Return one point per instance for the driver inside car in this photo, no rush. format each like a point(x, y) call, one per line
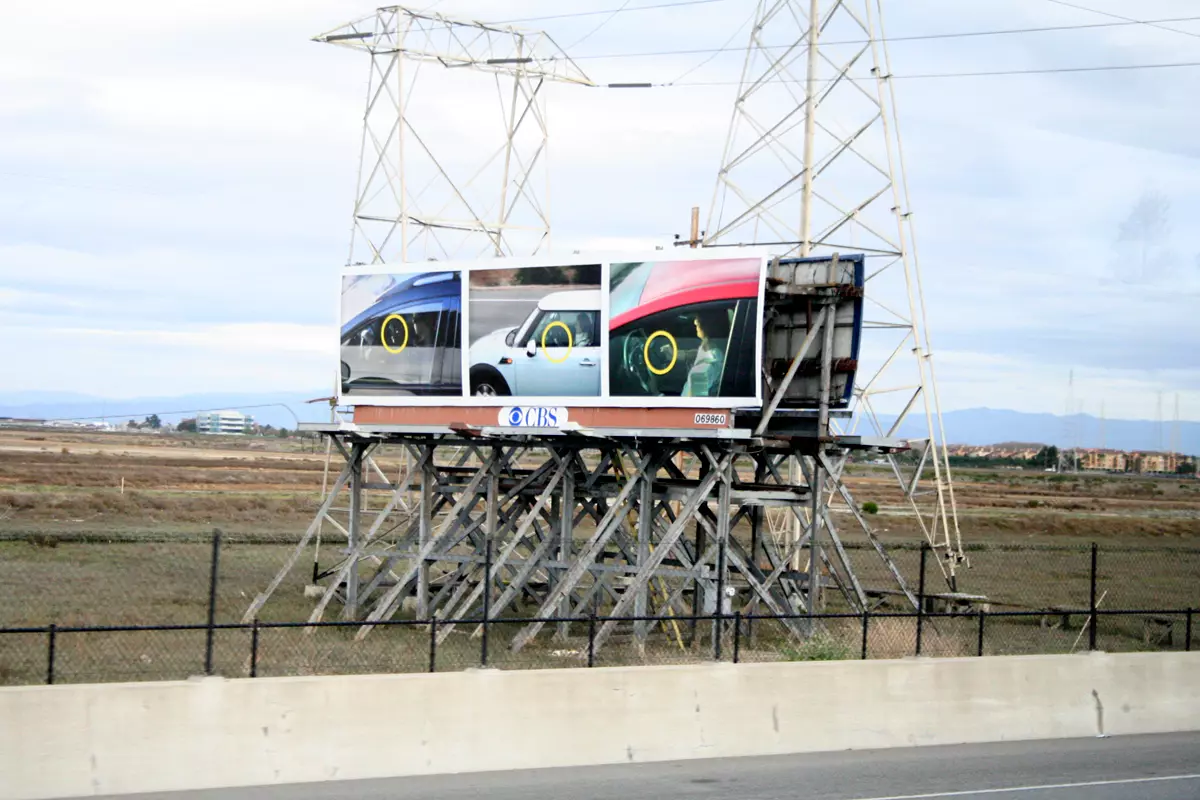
point(704, 376)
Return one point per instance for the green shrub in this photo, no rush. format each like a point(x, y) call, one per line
point(820, 647)
point(870, 507)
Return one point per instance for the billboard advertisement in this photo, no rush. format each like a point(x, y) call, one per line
point(535, 332)
point(401, 335)
point(684, 329)
point(552, 334)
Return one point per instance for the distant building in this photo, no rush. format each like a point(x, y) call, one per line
point(1155, 462)
point(223, 422)
point(1106, 460)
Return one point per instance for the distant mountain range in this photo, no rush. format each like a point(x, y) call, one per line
point(280, 410)
point(979, 426)
point(972, 426)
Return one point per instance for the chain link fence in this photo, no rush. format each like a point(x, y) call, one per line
point(136, 608)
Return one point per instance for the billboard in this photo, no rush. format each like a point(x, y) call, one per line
point(679, 332)
point(401, 335)
point(535, 332)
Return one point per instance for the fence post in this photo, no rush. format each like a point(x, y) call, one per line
point(866, 616)
point(487, 600)
point(254, 649)
point(592, 638)
point(212, 601)
point(1092, 621)
point(432, 643)
point(1187, 632)
point(52, 636)
point(737, 635)
point(921, 596)
point(982, 617)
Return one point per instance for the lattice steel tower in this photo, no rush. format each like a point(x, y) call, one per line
point(432, 184)
point(813, 165)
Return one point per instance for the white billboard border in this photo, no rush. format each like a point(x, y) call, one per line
point(466, 400)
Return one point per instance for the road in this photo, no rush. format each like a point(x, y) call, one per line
point(1158, 767)
point(502, 307)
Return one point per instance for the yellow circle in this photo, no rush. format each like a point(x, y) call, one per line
point(570, 342)
point(383, 327)
point(674, 352)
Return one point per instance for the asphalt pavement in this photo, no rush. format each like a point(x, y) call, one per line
point(1155, 767)
point(501, 307)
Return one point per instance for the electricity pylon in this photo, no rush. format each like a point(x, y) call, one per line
point(431, 183)
point(813, 165)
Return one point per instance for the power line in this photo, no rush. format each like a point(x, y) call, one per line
point(610, 11)
point(893, 39)
point(602, 23)
point(928, 75)
point(1152, 23)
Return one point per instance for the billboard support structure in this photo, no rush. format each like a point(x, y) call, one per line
point(595, 516)
point(416, 196)
point(821, 170)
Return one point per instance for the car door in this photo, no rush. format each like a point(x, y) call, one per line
point(566, 356)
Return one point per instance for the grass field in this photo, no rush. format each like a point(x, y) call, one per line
point(104, 529)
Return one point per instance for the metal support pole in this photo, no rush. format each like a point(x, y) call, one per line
point(1187, 632)
point(697, 583)
point(565, 542)
point(1092, 601)
point(254, 649)
point(356, 481)
point(51, 642)
point(428, 484)
point(487, 600)
point(810, 112)
point(737, 635)
point(814, 548)
point(433, 644)
point(645, 526)
point(982, 617)
point(866, 617)
point(921, 596)
point(592, 639)
point(214, 568)
point(726, 480)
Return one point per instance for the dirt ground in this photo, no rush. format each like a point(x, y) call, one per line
point(112, 529)
point(68, 482)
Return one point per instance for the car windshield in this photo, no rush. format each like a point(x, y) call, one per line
point(627, 286)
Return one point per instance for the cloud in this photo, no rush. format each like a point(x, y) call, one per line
point(176, 183)
point(242, 357)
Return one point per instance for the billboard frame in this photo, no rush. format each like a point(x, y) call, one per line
point(605, 260)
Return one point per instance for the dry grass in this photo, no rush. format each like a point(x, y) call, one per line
point(81, 552)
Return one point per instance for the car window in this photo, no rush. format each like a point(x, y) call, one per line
point(584, 327)
point(450, 334)
point(681, 352)
point(366, 334)
point(420, 322)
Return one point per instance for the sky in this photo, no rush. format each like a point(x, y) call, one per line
point(177, 181)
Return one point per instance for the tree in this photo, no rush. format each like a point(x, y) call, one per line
point(282, 433)
point(186, 426)
point(1186, 468)
point(1047, 457)
point(152, 422)
point(132, 425)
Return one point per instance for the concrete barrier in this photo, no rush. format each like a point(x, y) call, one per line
point(58, 741)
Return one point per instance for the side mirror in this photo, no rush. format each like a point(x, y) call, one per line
point(531, 348)
point(512, 337)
